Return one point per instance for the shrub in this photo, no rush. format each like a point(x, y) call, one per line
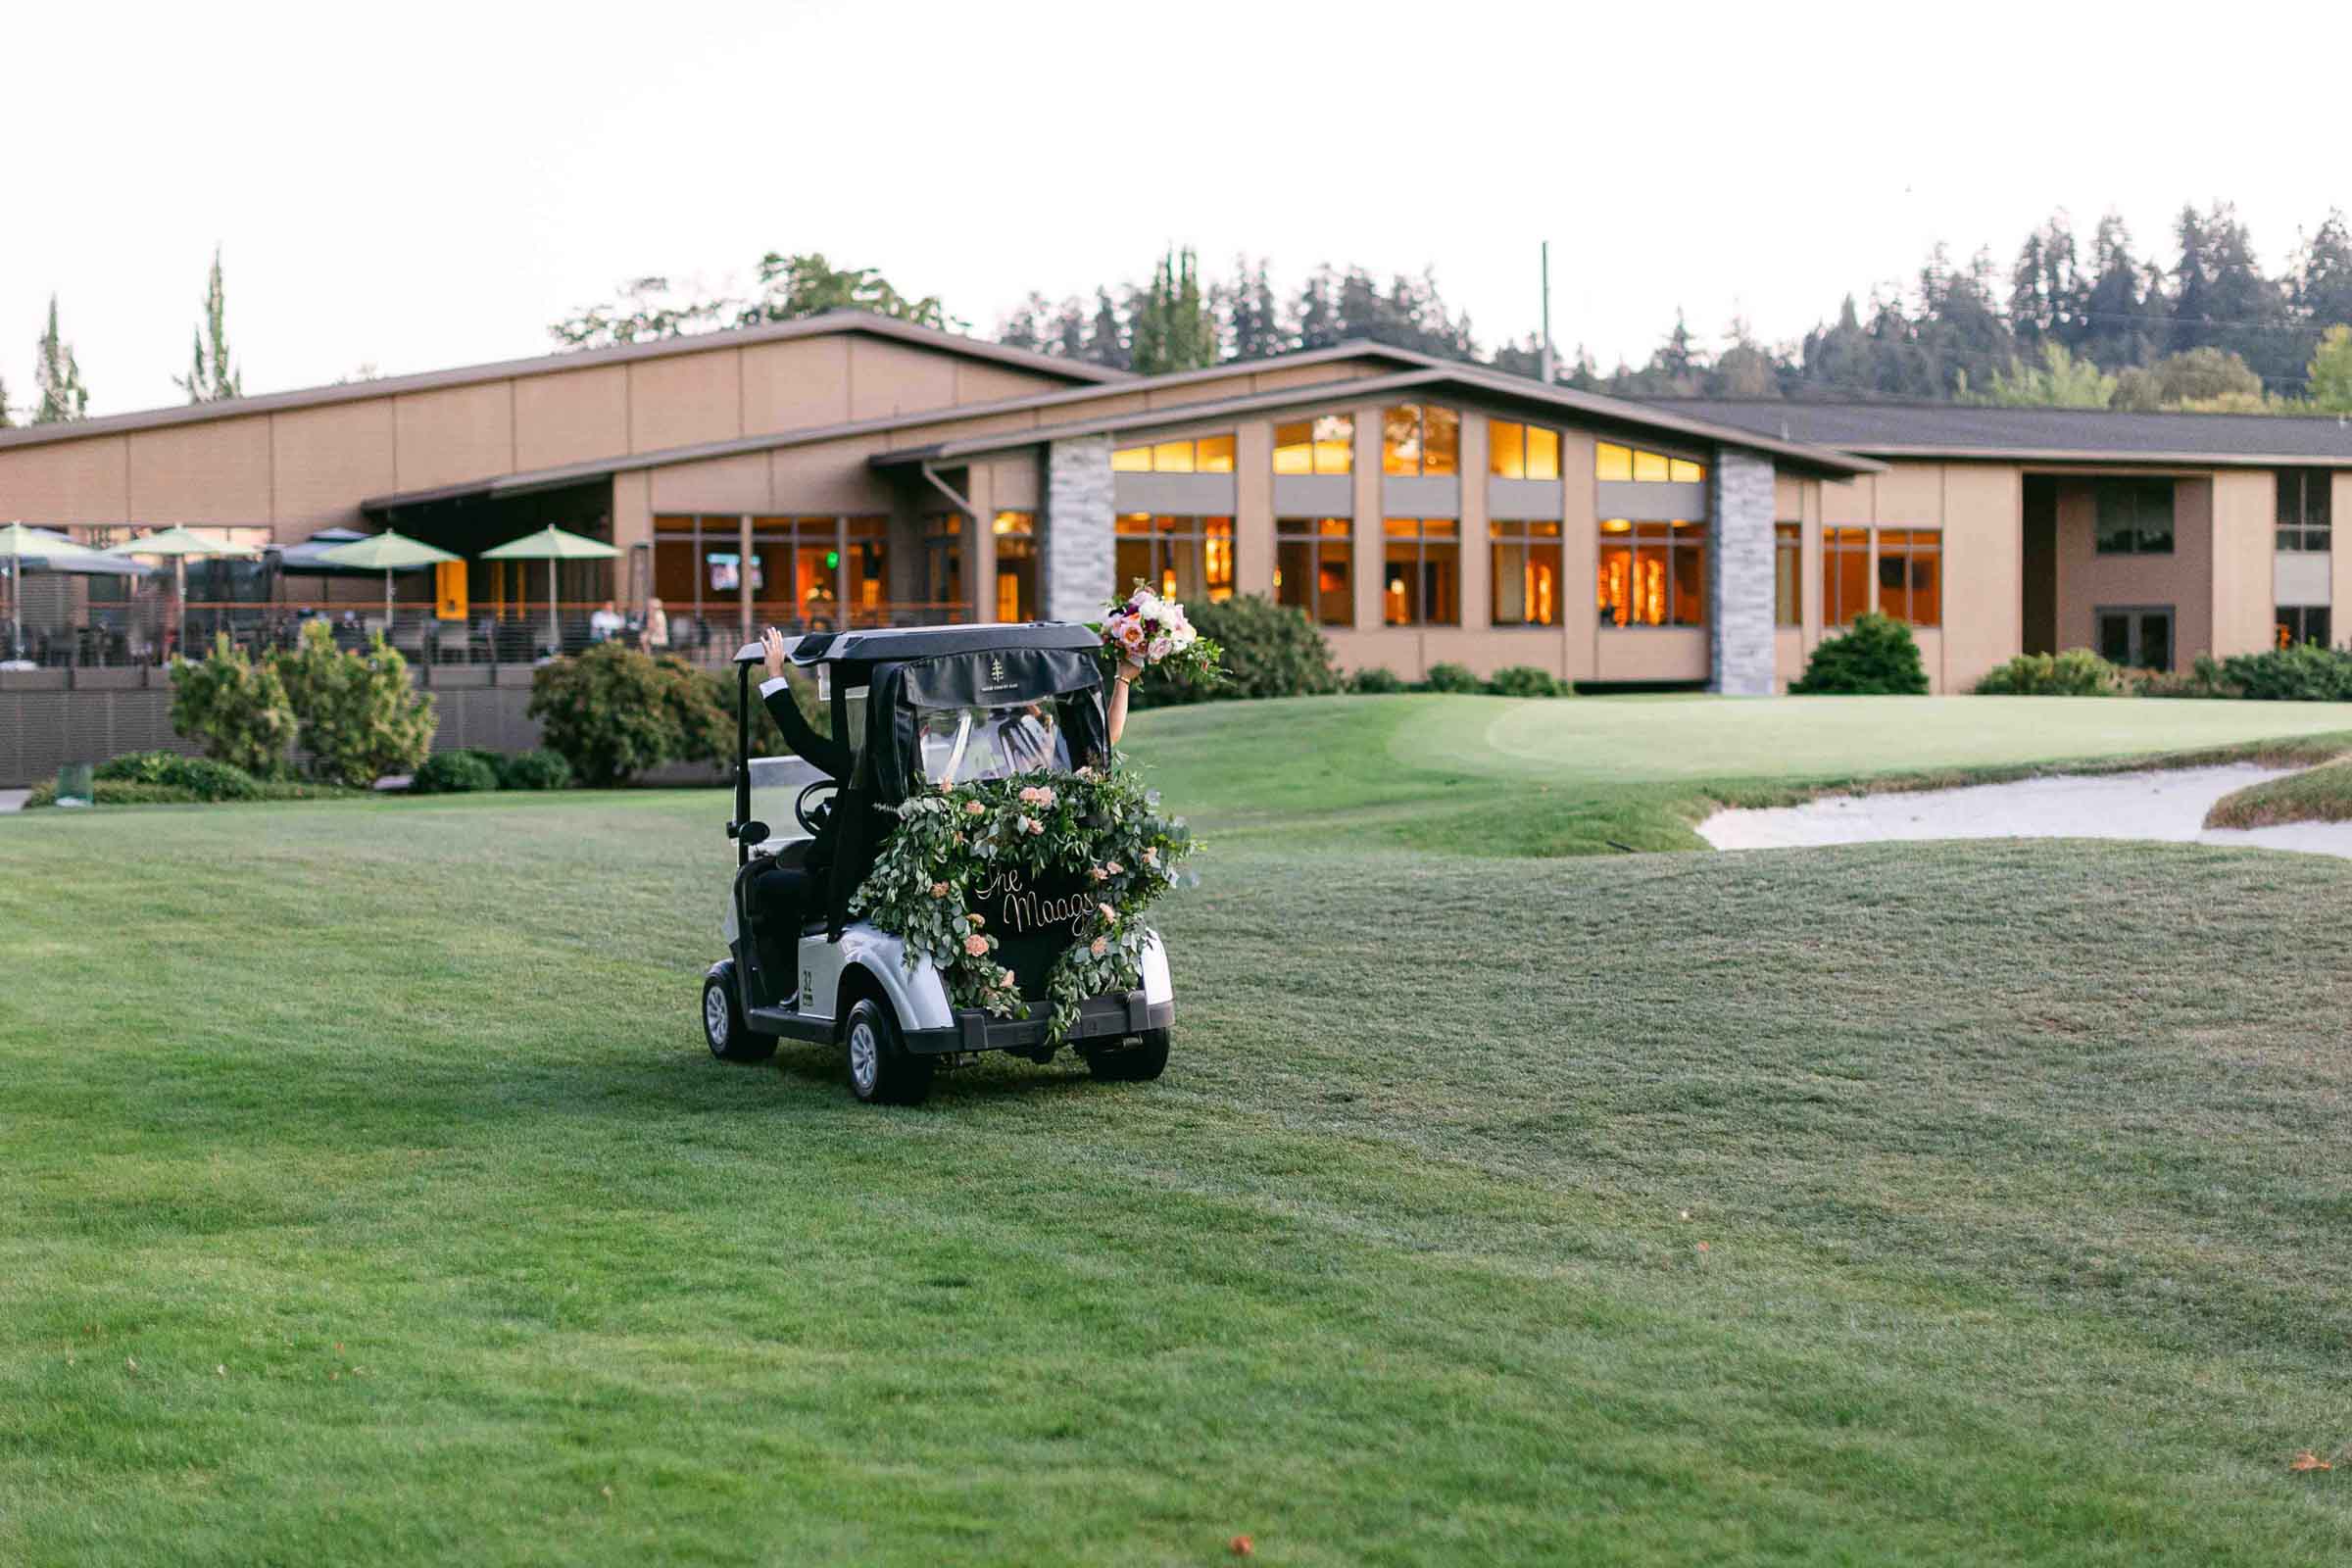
point(197, 778)
point(1376, 681)
point(1876, 658)
point(1526, 680)
point(612, 712)
point(361, 718)
point(236, 709)
point(2076, 673)
point(454, 773)
point(1271, 649)
point(2303, 673)
point(2204, 679)
point(1450, 677)
point(534, 770)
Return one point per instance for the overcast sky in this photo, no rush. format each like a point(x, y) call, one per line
point(419, 186)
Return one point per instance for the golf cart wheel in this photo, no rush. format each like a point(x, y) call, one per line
point(882, 1070)
point(723, 1028)
point(1138, 1063)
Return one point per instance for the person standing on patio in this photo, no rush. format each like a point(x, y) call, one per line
point(656, 627)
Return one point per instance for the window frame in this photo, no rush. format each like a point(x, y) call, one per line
point(1160, 556)
point(1907, 549)
point(1192, 445)
point(2298, 530)
point(1312, 533)
point(2300, 632)
point(2140, 488)
point(1667, 466)
point(2135, 636)
point(1314, 448)
point(1837, 543)
point(1421, 470)
point(1789, 540)
point(1674, 540)
point(1526, 430)
point(1526, 535)
point(1421, 539)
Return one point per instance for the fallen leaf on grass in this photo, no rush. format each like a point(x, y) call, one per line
point(1241, 1546)
point(2307, 1460)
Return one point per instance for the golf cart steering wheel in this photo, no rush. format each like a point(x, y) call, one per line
point(812, 817)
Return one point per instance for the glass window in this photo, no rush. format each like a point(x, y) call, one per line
point(1612, 461)
point(1652, 573)
point(2303, 510)
point(866, 568)
point(1422, 573)
point(2135, 516)
point(943, 564)
point(1910, 575)
point(1016, 566)
point(2303, 623)
point(1682, 470)
point(1787, 574)
point(1179, 557)
point(1649, 468)
point(1208, 453)
point(1312, 568)
point(1529, 569)
point(964, 745)
point(2136, 636)
point(1522, 450)
point(1420, 439)
point(1325, 444)
point(1845, 575)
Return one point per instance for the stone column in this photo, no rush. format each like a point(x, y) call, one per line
point(1074, 545)
point(1739, 570)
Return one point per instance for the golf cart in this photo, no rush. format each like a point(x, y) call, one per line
point(909, 709)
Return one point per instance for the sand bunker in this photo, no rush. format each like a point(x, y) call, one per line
point(2166, 804)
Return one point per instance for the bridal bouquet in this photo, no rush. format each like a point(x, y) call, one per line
point(1147, 630)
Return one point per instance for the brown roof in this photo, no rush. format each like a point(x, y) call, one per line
point(826, 325)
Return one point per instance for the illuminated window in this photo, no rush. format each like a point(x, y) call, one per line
point(1652, 573)
point(1418, 439)
point(1911, 575)
point(2135, 516)
point(1845, 575)
point(1179, 557)
point(1529, 569)
point(2303, 513)
point(1313, 568)
point(1787, 574)
point(1325, 444)
point(1612, 461)
point(1522, 450)
point(1208, 453)
point(866, 568)
point(1421, 571)
point(1016, 566)
point(943, 564)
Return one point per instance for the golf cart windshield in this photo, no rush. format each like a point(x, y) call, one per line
point(964, 745)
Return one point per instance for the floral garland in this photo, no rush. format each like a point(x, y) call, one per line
point(1099, 827)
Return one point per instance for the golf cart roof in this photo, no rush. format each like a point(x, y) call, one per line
point(926, 642)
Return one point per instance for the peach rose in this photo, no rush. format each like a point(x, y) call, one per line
point(1108, 913)
point(1101, 947)
point(939, 890)
point(973, 809)
point(975, 944)
point(977, 922)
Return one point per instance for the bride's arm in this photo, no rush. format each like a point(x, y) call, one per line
point(1117, 717)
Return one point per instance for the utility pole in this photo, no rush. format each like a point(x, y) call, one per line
point(1546, 253)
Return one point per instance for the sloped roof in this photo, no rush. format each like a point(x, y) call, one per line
point(2081, 435)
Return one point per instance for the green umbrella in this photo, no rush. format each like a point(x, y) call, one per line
point(387, 552)
point(552, 545)
point(54, 550)
point(179, 544)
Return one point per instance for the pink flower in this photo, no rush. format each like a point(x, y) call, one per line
point(1131, 636)
point(1151, 855)
point(975, 944)
point(977, 922)
point(1159, 649)
point(1101, 947)
point(1096, 873)
point(974, 808)
point(1109, 915)
point(939, 890)
point(1044, 796)
point(1113, 868)
point(1004, 977)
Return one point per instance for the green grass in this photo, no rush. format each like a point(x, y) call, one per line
point(2319, 795)
point(380, 1136)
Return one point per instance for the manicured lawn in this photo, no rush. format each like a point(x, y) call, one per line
point(380, 1138)
point(2320, 795)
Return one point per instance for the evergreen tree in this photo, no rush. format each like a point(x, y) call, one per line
point(1105, 334)
point(1316, 312)
point(794, 287)
point(2191, 282)
point(1252, 319)
point(1025, 325)
point(2117, 331)
point(2046, 288)
point(55, 373)
point(4, 420)
point(1171, 327)
point(211, 378)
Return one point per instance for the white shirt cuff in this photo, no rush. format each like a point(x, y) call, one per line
point(770, 688)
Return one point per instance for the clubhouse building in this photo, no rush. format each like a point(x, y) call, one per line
point(852, 470)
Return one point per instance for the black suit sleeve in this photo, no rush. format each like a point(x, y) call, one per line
point(830, 756)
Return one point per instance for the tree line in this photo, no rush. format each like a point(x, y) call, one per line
point(61, 394)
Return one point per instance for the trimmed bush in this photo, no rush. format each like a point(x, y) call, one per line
point(1271, 649)
point(1876, 658)
point(1451, 677)
point(360, 717)
point(236, 709)
point(2303, 673)
point(2076, 673)
point(454, 773)
point(534, 770)
point(612, 712)
point(1376, 681)
point(194, 778)
point(1526, 680)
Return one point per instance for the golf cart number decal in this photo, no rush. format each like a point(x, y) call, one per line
point(1021, 908)
point(808, 988)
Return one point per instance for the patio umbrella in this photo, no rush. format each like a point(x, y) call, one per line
point(179, 544)
point(387, 552)
point(50, 551)
point(552, 545)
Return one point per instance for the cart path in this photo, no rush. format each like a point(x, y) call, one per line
point(2168, 805)
point(14, 800)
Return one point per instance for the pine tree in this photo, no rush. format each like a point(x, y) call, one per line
point(1106, 335)
point(1171, 327)
point(64, 398)
point(4, 422)
point(211, 378)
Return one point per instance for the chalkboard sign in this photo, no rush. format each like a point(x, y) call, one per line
point(1033, 919)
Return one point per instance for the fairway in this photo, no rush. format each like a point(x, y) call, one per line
point(366, 1195)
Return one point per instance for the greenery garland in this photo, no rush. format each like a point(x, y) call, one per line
point(1101, 827)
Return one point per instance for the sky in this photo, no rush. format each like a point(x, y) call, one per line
point(414, 187)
